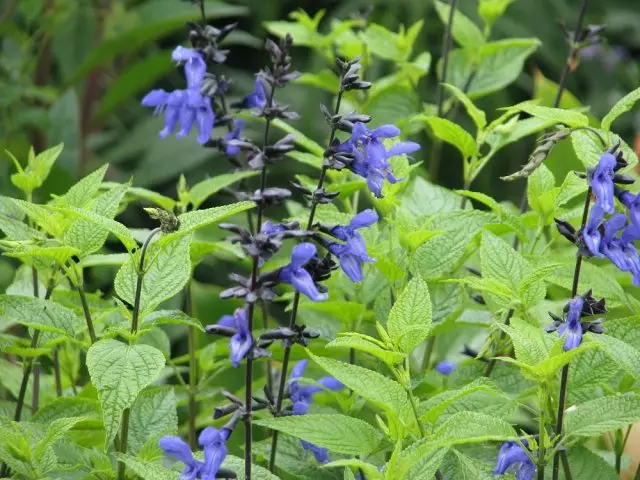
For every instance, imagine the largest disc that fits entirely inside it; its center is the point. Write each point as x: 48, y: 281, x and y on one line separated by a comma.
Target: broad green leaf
x: 170, y: 317
x: 147, y: 470
x: 98, y: 260
x: 626, y: 356
x: 361, y: 343
x: 335, y: 432
x: 410, y: 318
x: 558, y: 115
x: 43, y: 257
x: 82, y: 192
x: 55, y: 431
x: 40, y: 314
x: 460, y: 465
x: 148, y: 195
x: 119, y: 230
x: 422, y: 199
x: 528, y: 341
x: 383, y: 43
x: 17, y: 229
x: 153, y: 413
x: 167, y: 269
x: 206, y: 188
x: 300, y: 138
x: 309, y: 159
x: 482, y: 396
x: 324, y: 79
x: 88, y: 237
x: 500, y: 64
x: 372, y: 386
x: 501, y: 262
x: 464, y: 31
x: 587, y: 464
x: 477, y: 115
x: 505, y: 216
x: 454, y: 134
x: 345, y: 311
x: 395, y: 104
x: 590, y: 371
x: 505, y: 134
x: 601, y: 415
x: 257, y: 472
x: 120, y: 372
x: 303, y: 28
x: 540, y: 185
x: 52, y: 223
x: 37, y: 169
x: 425, y: 467
x: 65, y: 407
x: 625, y: 104
x: 371, y: 471
x: 570, y: 188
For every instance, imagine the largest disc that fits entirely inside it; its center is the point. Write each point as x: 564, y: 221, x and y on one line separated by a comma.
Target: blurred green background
x: 74, y: 71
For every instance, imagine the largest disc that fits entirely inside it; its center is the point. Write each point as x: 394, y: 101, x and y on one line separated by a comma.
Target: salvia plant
x: 378, y: 325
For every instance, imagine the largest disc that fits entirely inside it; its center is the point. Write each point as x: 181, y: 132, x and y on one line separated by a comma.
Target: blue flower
x: 371, y: 159
x: 257, y: 98
x: 187, y: 106
x: 573, y: 326
x: 601, y: 181
x: 510, y: 454
x: 233, y: 150
x: 302, y: 395
x: 353, y: 253
x: 296, y: 275
x: 178, y: 449
x: 632, y: 203
x: 213, y: 442
x: 446, y: 368
x: 242, y: 340
x: 591, y: 233
x: 269, y: 228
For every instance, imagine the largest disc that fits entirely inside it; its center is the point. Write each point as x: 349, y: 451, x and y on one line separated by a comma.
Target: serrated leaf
x: 528, y: 341
x: 17, y: 230
x: 505, y: 216
x: 361, y: 343
x: 120, y: 372
x: 335, y: 432
x: 587, y: 464
x: 170, y: 317
x: 601, y: 415
x: 588, y: 147
x: 55, y: 431
x: 558, y: 115
x: 371, y: 471
x: 43, y: 257
x: 167, y: 270
x: 410, y: 318
x: 540, y: 194
x: 146, y: 469
x: 204, y: 189
x: 257, y: 472
x: 464, y: 31
x: 44, y: 315
x: 453, y: 134
x: 65, y: 407
x: 626, y: 356
x: 623, y: 105
x: 82, y: 192
x: 153, y: 413
x: 372, y: 386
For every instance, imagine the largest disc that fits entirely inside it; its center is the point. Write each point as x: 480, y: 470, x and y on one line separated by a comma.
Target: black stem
x: 35, y: 393
x: 248, y: 401
x: 296, y: 301
x: 193, y: 369
x: 268, y: 364
x: 447, y: 42
x: 87, y: 312
x: 202, y: 13
x: 124, y: 431
x: 565, y: 370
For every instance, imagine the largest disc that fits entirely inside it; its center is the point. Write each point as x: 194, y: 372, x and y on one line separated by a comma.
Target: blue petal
x: 527, y: 470
x: 592, y: 240
x: 205, y: 120
x: 403, y: 148
x: 375, y: 181
x: 298, y: 369
x: 352, y: 267
x: 239, y: 346
x: 321, y: 454
x: 445, y: 368
x: 303, y: 282
x: 376, y: 155
x: 194, y: 68
x: 331, y: 383
x: 155, y: 98
x: 215, y: 451
x: 385, y: 131
x: 573, y: 337
x: 359, y: 130
x: 364, y: 219
x: 300, y: 408
x: 227, y: 321
x: 510, y: 453
x: 176, y: 448
x: 301, y: 254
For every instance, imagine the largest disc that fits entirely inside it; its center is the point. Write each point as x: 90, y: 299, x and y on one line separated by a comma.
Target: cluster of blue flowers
x: 212, y: 441
x: 613, y: 238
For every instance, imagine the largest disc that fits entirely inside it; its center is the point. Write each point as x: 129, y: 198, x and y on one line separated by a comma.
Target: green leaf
x: 558, y: 115
x: 120, y: 372
x: 82, y: 192
x: 383, y: 43
x: 204, y: 189
x: 601, y: 415
x: 44, y: 315
x: 528, y: 341
x: 422, y: 199
x: 139, y: 193
x: 42, y: 257
x: 84, y: 234
x: 501, y: 262
x: 366, y: 344
x: 372, y: 386
x: 454, y: 134
x: 409, y: 321
x: 334, y: 432
x: 491, y: 10
x: 505, y: 216
x: 464, y: 31
x: 55, y: 431
x: 499, y: 136
x: 170, y: 317
x: 587, y: 464
x: 625, y: 104
x: 477, y: 115
x: 146, y: 469
x: 481, y: 395
x: 540, y: 186
x: 257, y: 472
x: 626, y: 356
x: 119, y: 230
x: 460, y: 465
x: 300, y: 138
x: 500, y: 64
x: 371, y: 471
x: 324, y: 79
x: 588, y: 147
x: 37, y: 169
x: 153, y: 413
x: 65, y: 407
x: 167, y: 270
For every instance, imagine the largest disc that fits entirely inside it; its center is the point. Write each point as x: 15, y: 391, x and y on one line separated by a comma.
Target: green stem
x: 56, y: 372
x: 87, y: 312
x: 124, y: 429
